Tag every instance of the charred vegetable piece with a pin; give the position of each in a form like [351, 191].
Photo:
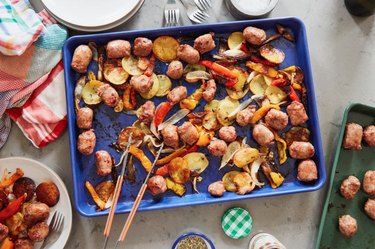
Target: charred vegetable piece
[22, 186]
[99, 202]
[128, 98]
[218, 68]
[262, 69]
[167, 159]
[197, 162]
[277, 179]
[162, 171]
[140, 155]
[11, 179]
[123, 137]
[16, 224]
[130, 171]
[272, 54]
[178, 170]
[178, 188]
[261, 112]
[281, 147]
[165, 48]
[192, 101]
[265, 62]
[105, 190]
[295, 74]
[3, 200]
[210, 122]
[228, 181]
[297, 133]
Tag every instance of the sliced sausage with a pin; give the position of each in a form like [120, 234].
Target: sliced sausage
[36, 212]
[118, 49]
[48, 193]
[156, 185]
[243, 117]
[370, 208]
[348, 225]
[38, 232]
[217, 147]
[297, 113]
[276, 119]
[209, 92]
[103, 161]
[177, 94]
[301, 150]
[108, 94]
[216, 188]
[23, 244]
[228, 133]
[307, 171]
[262, 135]
[369, 182]
[81, 58]
[175, 70]
[86, 142]
[369, 135]
[188, 54]
[147, 112]
[353, 137]
[84, 118]
[4, 231]
[142, 46]
[170, 136]
[142, 83]
[204, 43]
[254, 35]
[188, 133]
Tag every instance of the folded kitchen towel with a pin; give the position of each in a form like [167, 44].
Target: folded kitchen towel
[32, 89]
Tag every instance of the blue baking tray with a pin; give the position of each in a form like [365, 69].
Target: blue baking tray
[108, 124]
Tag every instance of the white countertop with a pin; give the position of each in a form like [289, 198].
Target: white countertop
[342, 50]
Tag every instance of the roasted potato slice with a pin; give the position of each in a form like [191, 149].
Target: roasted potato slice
[210, 122]
[154, 90]
[165, 48]
[300, 134]
[212, 106]
[137, 137]
[224, 108]
[115, 74]
[178, 188]
[235, 40]
[245, 156]
[233, 147]
[262, 69]
[195, 76]
[89, 95]
[105, 190]
[178, 170]
[228, 181]
[193, 67]
[241, 78]
[244, 183]
[275, 94]
[165, 85]
[130, 65]
[197, 162]
[258, 85]
[272, 54]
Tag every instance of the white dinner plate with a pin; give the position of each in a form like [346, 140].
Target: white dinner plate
[39, 173]
[90, 13]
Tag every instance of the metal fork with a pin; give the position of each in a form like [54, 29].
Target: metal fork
[203, 4]
[194, 14]
[55, 229]
[171, 13]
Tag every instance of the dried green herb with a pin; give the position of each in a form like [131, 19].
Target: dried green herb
[192, 242]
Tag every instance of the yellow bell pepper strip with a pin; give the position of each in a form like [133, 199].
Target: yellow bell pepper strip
[219, 69]
[192, 101]
[138, 153]
[178, 188]
[296, 86]
[281, 146]
[128, 98]
[277, 179]
[99, 202]
[262, 69]
[261, 112]
[7, 244]
[174, 154]
[205, 137]
[12, 179]
[12, 208]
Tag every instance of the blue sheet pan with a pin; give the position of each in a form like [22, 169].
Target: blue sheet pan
[108, 124]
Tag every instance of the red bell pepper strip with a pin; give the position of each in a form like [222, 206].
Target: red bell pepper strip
[162, 171]
[244, 47]
[279, 82]
[293, 95]
[161, 112]
[150, 69]
[12, 208]
[193, 148]
[219, 69]
[230, 83]
[262, 61]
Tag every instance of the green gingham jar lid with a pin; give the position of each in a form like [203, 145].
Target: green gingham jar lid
[237, 223]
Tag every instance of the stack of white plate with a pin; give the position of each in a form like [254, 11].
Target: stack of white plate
[92, 15]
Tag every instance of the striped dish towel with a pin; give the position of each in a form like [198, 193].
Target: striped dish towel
[32, 89]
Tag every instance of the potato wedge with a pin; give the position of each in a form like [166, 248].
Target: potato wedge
[165, 85]
[235, 40]
[115, 74]
[89, 94]
[225, 107]
[228, 181]
[196, 76]
[210, 122]
[130, 65]
[258, 85]
[165, 48]
[193, 67]
[232, 149]
[178, 188]
[197, 162]
[212, 106]
[275, 94]
[245, 156]
[178, 170]
[272, 54]
[238, 94]
[153, 91]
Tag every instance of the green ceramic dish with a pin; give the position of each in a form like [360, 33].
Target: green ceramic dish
[348, 162]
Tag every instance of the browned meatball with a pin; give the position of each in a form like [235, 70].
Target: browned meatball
[84, 117]
[142, 46]
[262, 135]
[81, 58]
[370, 208]
[228, 133]
[297, 113]
[243, 117]
[216, 188]
[369, 135]
[48, 193]
[209, 92]
[170, 136]
[188, 133]
[177, 94]
[86, 142]
[353, 137]
[36, 212]
[188, 54]
[301, 150]
[217, 147]
[175, 70]
[108, 94]
[204, 43]
[307, 171]
[348, 225]
[369, 182]
[349, 187]
[118, 49]
[103, 161]
[4, 231]
[38, 232]
[142, 83]
[147, 112]
[156, 185]
[276, 119]
[254, 35]
[23, 244]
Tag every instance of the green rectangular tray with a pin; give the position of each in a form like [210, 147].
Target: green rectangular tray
[349, 162]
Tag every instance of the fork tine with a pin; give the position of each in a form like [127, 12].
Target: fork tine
[204, 4]
[173, 17]
[61, 225]
[198, 17]
[57, 221]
